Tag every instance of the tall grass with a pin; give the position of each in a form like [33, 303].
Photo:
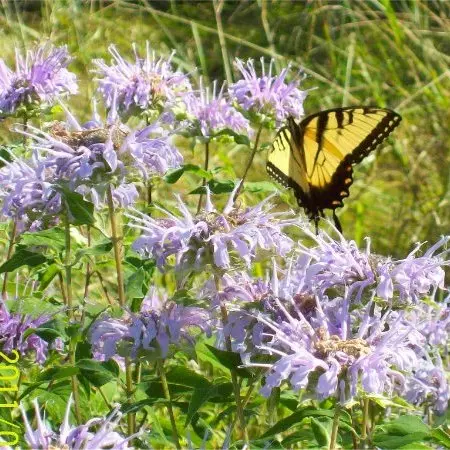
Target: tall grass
[386, 53]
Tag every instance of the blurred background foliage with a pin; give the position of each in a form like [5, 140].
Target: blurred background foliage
[376, 52]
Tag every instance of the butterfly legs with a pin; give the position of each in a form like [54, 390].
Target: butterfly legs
[336, 221]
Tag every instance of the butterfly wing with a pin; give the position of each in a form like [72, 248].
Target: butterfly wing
[315, 157]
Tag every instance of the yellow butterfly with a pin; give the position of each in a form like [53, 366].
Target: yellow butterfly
[315, 157]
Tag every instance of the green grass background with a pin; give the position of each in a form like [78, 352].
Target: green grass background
[387, 53]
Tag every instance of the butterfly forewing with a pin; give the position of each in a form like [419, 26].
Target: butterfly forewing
[315, 157]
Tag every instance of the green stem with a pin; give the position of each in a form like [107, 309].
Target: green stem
[70, 313]
[365, 423]
[8, 256]
[117, 246]
[249, 163]
[206, 165]
[234, 377]
[334, 430]
[165, 386]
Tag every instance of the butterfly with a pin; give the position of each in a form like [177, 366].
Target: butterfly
[315, 157]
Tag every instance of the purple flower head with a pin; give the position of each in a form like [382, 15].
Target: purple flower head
[346, 350]
[40, 77]
[429, 387]
[152, 155]
[12, 330]
[89, 158]
[433, 321]
[339, 264]
[213, 112]
[96, 433]
[144, 83]
[27, 194]
[159, 324]
[211, 237]
[267, 94]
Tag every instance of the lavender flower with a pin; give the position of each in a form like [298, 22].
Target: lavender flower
[211, 237]
[12, 330]
[344, 349]
[28, 196]
[144, 83]
[429, 387]
[40, 77]
[159, 324]
[82, 437]
[92, 157]
[267, 95]
[335, 264]
[213, 113]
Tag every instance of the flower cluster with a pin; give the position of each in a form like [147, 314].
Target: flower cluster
[211, 237]
[340, 264]
[144, 83]
[14, 336]
[97, 433]
[159, 324]
[213, 113]
[27, 194]
[267, 95]
[310, 326]
[40, 77]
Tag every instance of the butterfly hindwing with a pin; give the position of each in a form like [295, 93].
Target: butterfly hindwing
[315, 157]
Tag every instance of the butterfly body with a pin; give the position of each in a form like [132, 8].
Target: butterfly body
[315, 157]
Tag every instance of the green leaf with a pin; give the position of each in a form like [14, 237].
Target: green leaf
[386, 441]
[187, 377]
[97, 373]
[23, 257]
[57, 373]
[174, 175]
[134, 285]
[320, 432]
[48, 334]
[202, 394]
[99, 249]
[216, 187]
[46, 277]
[260, 186]
[441, 436]
[241, 139]
[230, 360]
[80, 211]
[53, 238]
[404, 425]
[298, 416]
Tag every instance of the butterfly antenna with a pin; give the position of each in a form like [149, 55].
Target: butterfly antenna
[336, 222]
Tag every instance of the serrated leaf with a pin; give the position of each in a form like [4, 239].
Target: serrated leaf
[23, 257]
